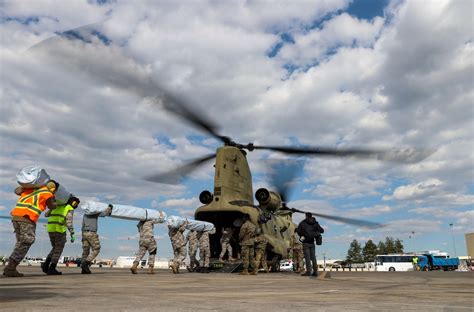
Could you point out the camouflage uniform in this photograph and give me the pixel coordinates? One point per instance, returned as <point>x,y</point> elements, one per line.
<point>192,241</point>
<point>178,244</point>
<point>296,251</point>
<point>204,249</point>
<point>146,242</point>
<point>260,256</point>
<point>25,237</point>
<point>57,239</point>
<point>225,243</point>
<point>90,242</point>
<point>247,241</point>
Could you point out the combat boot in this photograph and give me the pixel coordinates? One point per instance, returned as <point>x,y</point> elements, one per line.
<point>85,267</point>
<point>244,272</point>
<point>134,268</point>
<point>151,270</point>
<point>52,270</point>
<point>173,268</point>
<point>10,270</point>
<point>254,272</point>
<point>45,265</point>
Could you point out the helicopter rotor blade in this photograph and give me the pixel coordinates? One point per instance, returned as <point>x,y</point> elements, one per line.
<point>284,173</point>
<point>174,176</point>
<point>406,155</point>
<point>356,222</point>
<point>87,50</point>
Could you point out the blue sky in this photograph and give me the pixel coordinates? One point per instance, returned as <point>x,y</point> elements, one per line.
<point>339,73</point>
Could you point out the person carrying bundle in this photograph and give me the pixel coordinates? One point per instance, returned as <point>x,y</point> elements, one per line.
<point>146,243</point>
<point>25,215</point>
<point>59,219</point>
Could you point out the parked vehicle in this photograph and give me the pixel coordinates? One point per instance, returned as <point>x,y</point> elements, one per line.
<point>429,262</point>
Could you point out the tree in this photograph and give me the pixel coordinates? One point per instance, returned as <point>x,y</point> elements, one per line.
<point>398,246</point>
<point>354,254</point>
<point>381,249</point>
<point>389,245</point>
<point>369,251</point>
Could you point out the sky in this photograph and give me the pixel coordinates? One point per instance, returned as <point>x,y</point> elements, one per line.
<point>366,74</point>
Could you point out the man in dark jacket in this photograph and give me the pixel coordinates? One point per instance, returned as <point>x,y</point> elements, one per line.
<point>308,230</point>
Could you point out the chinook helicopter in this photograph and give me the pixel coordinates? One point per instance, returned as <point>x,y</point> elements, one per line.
<point>232,195</point>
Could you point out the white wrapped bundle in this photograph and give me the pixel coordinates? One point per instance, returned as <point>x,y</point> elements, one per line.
<point>136,213</point>
<point>62,195</point>
<point>32,177</point>
<point>124,211</point>
<point>193,225</point>
<point>91,207</point>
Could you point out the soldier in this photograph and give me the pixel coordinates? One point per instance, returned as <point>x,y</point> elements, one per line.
<point>192,241</point>
<point>204,249</point>
<point>247,241</point>
<point>179,246</point>
<point>225,243</point>
<point>296,251</point>
<point>90,239</point>
<point>260,255</point>
<point>30,205</point>
<point>146,243</point>
<point>59,219</point>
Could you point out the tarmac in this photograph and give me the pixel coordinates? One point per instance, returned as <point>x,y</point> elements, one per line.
<point>118,290</point>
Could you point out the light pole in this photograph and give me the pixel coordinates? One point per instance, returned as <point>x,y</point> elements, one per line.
<point>324,261</point>
<point>452,235</point>
<point>413,241</point>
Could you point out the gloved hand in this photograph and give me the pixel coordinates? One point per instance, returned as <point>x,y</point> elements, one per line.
<point>73,238</point>
<point>52,186</point>
<point>73,201</point>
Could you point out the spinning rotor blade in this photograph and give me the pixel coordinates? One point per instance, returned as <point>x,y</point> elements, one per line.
<point>407,155</point>
<point>284,173</point>
<point>87,50</point>
<point>173,176</point>
<point>362,223</point>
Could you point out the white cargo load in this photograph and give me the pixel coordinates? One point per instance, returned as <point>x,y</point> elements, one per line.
<point>124,211</point>
<point>62,195</point>
<point>32,177</point>
<point>192,225</point>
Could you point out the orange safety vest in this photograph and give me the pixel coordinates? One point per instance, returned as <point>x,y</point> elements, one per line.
<point>31,203</point>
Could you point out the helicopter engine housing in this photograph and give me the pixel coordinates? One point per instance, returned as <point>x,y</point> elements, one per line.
<point>206,197</point>
<point>267,199</point>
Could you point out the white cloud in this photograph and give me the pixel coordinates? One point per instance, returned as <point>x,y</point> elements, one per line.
<point>384,83</point>
<point>416,191</point>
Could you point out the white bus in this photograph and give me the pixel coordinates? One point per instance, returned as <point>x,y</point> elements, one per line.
<point>394,262</point>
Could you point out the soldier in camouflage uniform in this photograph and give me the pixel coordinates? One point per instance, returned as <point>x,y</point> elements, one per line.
<point>260,255</point>
<point>179,246</point>
<point>296,253</point>
<point>247,242</point>
<point>90,239</point>
<point>192,241</point>
<point>59,220</point>
<point>225,243</point>
<point>24,217</point>
<point>146,243</point>
<point>204,250</point>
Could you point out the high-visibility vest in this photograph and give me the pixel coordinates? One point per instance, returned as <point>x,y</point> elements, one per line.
<point>57,219</point>
<point>31,203</point>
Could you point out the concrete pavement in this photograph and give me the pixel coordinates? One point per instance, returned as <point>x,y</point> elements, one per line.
<point>118,290</point>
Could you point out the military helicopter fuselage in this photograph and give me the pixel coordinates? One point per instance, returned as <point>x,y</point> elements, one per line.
<point>233,183</point>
